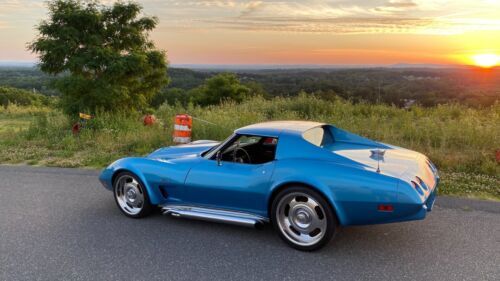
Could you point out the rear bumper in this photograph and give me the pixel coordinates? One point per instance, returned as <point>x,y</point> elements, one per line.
<point>426,206</point>
<point>416,211</point>
<point>413,201</point>
<point>429,194</point>
<point>429,203</point>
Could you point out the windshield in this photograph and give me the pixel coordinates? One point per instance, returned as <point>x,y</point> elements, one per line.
<point>211,152</point>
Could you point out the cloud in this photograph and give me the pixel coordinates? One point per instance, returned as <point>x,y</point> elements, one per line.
<point>344,25</point>
<point>3,25</point>
<point>395,6</point>
<point>356,16</point>
<point>8,6</point>
<point>357,25</point>
<point>251,8</point>
<point>346,16</point>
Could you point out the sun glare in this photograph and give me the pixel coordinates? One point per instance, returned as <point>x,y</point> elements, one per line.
<point>486,60</point>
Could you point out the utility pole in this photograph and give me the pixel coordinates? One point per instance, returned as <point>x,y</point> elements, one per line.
<point>379,89</point>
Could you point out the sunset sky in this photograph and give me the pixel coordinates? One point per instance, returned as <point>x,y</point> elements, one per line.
<point>366,32</point>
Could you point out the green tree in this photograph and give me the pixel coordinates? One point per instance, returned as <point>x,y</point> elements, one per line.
<point>105,50</point>
<point>256,89</point>
<point>170,96</point>
<point>220,87</point>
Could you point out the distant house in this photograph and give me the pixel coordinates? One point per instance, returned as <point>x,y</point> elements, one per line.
<point>416,78</point>
<point>408,103</point>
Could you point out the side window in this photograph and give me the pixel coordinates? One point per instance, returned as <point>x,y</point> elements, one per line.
<point>248,140</point>
<point>248,149</point>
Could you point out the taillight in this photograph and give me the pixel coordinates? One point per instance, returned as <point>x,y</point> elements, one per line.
<point>385,208</point>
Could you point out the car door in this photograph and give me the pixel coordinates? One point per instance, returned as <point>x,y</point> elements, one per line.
<point>229,185</point>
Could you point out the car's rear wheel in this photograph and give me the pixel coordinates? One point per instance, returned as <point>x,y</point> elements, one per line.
<point>303,218</point>
<point>131,196</point>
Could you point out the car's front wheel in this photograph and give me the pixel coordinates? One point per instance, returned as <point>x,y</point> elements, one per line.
<point>303,218</point>
<point>131,196</point>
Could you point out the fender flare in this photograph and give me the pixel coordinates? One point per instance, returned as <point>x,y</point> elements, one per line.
<point>154,194</point>
<point>315,185</point>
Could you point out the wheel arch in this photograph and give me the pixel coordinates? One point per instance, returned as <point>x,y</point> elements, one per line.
<point>154,195</point>
<point>116,173</point>
<point>282,186</point>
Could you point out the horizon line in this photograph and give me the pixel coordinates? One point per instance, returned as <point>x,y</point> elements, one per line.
<point>30,63</point>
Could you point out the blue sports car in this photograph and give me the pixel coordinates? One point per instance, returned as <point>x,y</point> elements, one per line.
<point>306,178</point>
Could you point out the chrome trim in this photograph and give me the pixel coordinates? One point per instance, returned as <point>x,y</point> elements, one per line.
<point>203,142</point>
<point>298,220</point>
<point>215,215</point>
<point>129,195</point>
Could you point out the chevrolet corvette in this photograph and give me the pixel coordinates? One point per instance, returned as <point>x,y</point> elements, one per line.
<point>307,179</point>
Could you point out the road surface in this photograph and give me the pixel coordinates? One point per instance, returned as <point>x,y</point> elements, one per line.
<point>60,224</point>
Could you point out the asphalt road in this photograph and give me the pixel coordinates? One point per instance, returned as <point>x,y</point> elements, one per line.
<point>60,224</point>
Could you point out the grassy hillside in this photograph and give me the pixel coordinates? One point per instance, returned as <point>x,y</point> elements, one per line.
<point>16,96</point>
<point>462,141</point>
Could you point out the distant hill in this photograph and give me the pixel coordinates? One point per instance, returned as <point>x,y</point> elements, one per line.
<point>17,64</point>
<point>242,67</point>
<point>425,84</point>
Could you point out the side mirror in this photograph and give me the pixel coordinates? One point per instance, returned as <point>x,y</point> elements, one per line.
<point>218,156</point>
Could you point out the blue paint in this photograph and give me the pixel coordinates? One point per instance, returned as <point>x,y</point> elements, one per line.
<point>343,171</point>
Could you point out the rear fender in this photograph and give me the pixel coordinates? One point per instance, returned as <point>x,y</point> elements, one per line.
<point>311,183</point>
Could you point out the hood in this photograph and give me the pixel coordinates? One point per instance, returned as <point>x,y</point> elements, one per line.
<point>192,149</point>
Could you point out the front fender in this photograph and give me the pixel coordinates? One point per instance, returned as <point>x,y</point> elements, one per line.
<point>156,175</point>
<point>131,164</point>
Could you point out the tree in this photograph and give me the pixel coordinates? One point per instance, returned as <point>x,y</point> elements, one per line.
<point>170,96</point>
<point>106,52</point>
<point>256,89</point>
<point>220,87</point>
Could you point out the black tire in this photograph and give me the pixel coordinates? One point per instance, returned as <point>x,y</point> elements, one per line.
<point>146,207</point>
<point>329,217</point>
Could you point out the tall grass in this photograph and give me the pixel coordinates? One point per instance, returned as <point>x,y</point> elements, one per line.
<point>454,136</point>
<point>462,141</point>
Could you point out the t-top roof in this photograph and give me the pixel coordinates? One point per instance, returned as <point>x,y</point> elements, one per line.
<point>274,128</point>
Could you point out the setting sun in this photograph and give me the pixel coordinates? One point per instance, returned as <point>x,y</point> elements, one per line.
<point>486,60</point>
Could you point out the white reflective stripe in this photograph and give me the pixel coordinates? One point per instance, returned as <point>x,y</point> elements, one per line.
<point>182,139</point>
<point>181,128</point>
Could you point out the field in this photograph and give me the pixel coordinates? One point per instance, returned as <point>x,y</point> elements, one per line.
<point>462,141</point>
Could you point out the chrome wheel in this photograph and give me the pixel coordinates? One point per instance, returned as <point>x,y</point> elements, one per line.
<point>301,219</point>
<point>129,195</point>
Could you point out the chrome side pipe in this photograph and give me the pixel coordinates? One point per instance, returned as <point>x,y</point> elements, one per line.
<point>214,215</point>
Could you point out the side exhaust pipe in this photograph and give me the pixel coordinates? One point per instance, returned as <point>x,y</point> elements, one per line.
<point>214,215</point>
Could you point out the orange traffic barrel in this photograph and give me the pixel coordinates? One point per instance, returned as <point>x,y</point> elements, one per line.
<point>182,128</point>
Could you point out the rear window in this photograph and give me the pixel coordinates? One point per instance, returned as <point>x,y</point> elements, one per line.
<point>319,136</point>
